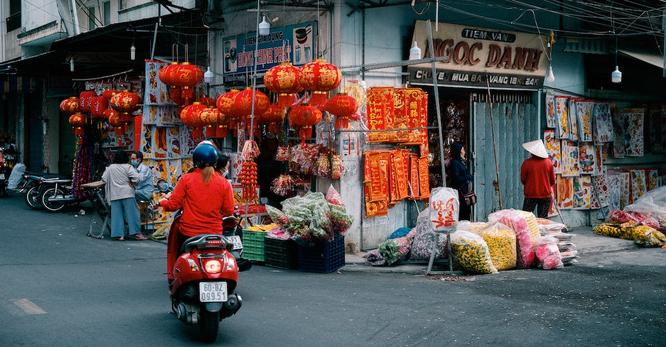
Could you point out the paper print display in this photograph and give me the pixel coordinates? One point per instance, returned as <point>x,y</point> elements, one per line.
<point>551,117</point>
<point>565,192</point>
<point>160,146</point>
<point>573,120</point>
<point>570,165</point>
<point>582,187</point>
<point>150,114</point>
<point>599,159</point>
<point>187,165</point>
<point>173,142</point>
<point>584,120</point>
<point>620,140</point>
<point>562,112</point>
<point>147,142</point>
<point>554,150</point>
<point>175,170</point>
<point>601,190</point>
<point>634,120</point>
<point>651,178</point>
<point>614,192</point>
<point>155,91</point>
<point>587,158</point>
<point>638,184</point>
<point>603,123</point>
<point>625,189</point>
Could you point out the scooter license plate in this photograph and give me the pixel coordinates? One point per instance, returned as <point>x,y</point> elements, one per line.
<point>213,291</point>
<point>236,241</point>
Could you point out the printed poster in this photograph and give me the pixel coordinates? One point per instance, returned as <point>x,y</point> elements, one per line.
<point>587,158</point>
<point>634,120</point>
<point>551,117</point>
<point>173,143</point>
<point>638,185</point>
<point>601,190</point>
<point>603,123</point>
<point>160,146</point>
<point>599,159</point>
<point>175,170</point>
<point>582,188</point>
<point>573,120</point>
<point>570,165</point>
<point>652,178</point>
<point>155,91</point>
<point>625,189</point>
<point>584,118</point>
<point>614,192</point>
<point>562,112</point>
<point>565,192</point>
<point>621,139</point>
<point>147,142</point>
<point>554,150</point>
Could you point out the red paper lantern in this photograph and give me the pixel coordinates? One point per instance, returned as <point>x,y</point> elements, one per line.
<point>78,121</point>
<point>85,100</point>
<point>207,101</point>
<point>175,95</point>
<point>209,117</point>
<point>125,101</point>
<point>70,105</point>
<point>225,102</point>
<point>303,118</point>
<point>274,114</point>
<point>98,106</point>
<point>167,73</point>
<point>243,103</point>
<point>319,77</point>
<point>116,122</point>
<point>284,80</point>
<point>109,112</point>
<point>186,95</point>
<point>186,75</point>
<point>190,115</point>
<point>343,107</point>
<point>109,93</point>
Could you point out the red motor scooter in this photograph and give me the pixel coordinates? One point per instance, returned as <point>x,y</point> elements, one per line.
<point>205,277</point>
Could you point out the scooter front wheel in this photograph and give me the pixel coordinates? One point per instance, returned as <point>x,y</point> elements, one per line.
<point>33,199</point>
<point>53,206</point>
<point>209,324</point>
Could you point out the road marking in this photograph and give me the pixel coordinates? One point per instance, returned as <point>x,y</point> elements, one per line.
<point>28,306</point>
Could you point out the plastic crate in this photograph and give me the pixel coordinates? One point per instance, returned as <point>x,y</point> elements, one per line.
<point>253,245</point>
<point>324,257</point>
<point>280,253</point>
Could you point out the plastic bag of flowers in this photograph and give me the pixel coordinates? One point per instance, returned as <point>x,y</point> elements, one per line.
<point>501,241</point>
<point>548,253</point>
<point>394,250</point>
<point>525,226</point>
<point>423,238</point>
<point>471,253</point>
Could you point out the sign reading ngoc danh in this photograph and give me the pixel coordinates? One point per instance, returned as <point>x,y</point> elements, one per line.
<point>469,56</point>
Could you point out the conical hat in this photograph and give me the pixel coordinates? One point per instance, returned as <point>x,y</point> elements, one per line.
<point>537,148</point>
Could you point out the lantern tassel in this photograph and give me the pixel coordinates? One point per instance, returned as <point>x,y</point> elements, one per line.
<point>318,99</point>
<point>286,100</point>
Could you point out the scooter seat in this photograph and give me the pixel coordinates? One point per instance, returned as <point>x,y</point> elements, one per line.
<point>195,241</point>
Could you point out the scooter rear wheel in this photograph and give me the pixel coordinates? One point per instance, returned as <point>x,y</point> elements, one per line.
<point>53,206</point>
<point>209,324</point>
<point>33,198</point>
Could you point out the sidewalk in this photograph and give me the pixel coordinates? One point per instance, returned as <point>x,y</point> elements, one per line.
<point>586,242</point>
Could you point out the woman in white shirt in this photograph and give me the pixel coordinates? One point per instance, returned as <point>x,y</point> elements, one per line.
<point>120,178</point>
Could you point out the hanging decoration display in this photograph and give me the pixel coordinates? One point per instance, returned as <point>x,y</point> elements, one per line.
<point>283,80</point>
<point>85,100</point>
<point>78,122</point>
<point>210,118</point>
<point>554,150</point>
<point>274,117</point>
<point>551,118</point>
<point>319,77</point>
<point>570,164</point>
<point>343,107</point>
<point>562,111</point>
<point>98,106</point>
<point>582,188</point>
<point>584,111</point>
<point>243,106</point>
<point>248,173</point>
<point>634,130</point>
<point>190,115</point>
<point>565,192</point>
<point>638,185</point>
<point>380,113</point>
<point>225,103</point>
<point>603,122</point>
<point>587,158</point>
<point>70,105</point>
<point>116,121</point>
<point>181,79</point>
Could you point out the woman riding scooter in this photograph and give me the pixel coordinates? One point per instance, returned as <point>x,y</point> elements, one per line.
<point>204,196</point>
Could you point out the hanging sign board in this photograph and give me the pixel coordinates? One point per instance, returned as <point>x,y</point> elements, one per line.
<point>475,57</point>
<point>294,43</point>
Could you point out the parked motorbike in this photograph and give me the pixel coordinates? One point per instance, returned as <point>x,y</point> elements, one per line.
<point>57,195</point>
<point>232,231</point>
<point>205,278</point>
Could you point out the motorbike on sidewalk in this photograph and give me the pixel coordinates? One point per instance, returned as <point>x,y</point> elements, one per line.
<point>204,283</point>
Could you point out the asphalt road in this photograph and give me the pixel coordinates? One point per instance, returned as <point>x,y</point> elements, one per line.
<point>61,288</point>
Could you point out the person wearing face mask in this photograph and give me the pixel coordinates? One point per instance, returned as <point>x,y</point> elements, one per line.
<point>144,187</point>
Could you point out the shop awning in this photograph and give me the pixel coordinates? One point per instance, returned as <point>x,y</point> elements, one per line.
<point>650,58</point>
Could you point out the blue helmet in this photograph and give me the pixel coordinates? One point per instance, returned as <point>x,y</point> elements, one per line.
<point>205,154</point>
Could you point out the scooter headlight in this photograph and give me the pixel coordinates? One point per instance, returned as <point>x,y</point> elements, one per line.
<point>213,266</point>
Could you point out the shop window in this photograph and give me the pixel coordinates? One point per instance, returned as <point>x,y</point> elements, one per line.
<point>107,13</point>
<point>91,18</point>
<point>14,19</point>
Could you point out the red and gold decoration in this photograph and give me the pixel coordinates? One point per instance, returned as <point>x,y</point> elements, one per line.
<point>109,93</point>
<point>98,106</point>
<point>248,173</point>
<point>85,100</point>
<point>116,121</point>
<point>376,170</point>
<point>283,79</point>
<point>243,106</point>
<point>70,105</point>
<point>274,117</point>
<point>343,107</point>
<point>319,77</point>
<point>190,115</point>
<point>380,114</point>
<point>210,117</point>
<point>181,79</point>
<point>207,101</point>
<point>78,121</point>
<point>225,103</point>
<point>125,102</point>
<point>303,118</point>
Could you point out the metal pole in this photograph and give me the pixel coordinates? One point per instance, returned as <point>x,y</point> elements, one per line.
<point>663,27</point>
<point>75,16</point>
<point>435,87</point>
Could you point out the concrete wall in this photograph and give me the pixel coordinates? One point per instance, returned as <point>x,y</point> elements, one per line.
<point>9,48</point>
<point>38,12</point>
<point>139,9</point>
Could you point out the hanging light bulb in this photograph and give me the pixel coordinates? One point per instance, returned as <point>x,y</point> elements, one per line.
<point>132,52</point>
<point>616,76</point>
<point>414,52</point>
<point>550,77</point>
<point>264,27</point>
<point>208,76</point>
<point>71,64</point>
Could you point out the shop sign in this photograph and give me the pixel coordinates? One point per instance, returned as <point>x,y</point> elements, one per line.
<point>294,43</point>
<point>469,56</point>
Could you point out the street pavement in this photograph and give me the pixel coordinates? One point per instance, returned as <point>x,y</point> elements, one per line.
<point>61,288</point>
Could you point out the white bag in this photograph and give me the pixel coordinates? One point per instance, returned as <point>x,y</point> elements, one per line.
<point>444,208</point>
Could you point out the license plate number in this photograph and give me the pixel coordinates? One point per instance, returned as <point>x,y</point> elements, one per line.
<point>213,291</point>
<point>236,241</point>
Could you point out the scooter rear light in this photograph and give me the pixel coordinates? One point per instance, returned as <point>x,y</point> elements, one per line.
<point>213,266</point>
<point>230,262</point>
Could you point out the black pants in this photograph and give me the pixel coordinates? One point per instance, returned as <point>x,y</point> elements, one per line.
<point>542,205</point>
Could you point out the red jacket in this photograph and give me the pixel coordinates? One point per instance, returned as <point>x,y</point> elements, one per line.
<point>203,204</point>
<point>538,177</point>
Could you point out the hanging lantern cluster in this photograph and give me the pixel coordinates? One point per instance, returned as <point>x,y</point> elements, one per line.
<point>343,107</point>
<point>303,118</point>
<point>71,107</point>
<point>225,103</point>
<point>274,117</point>
<point>283,80</point>
<point>98,105</point>
<point>85,100</point>
<point>215,122</point>
<point>78,121</point>
<point>181,79</point>
<point>243,106</point>
<point>123,103</point>
<point>190,115</point>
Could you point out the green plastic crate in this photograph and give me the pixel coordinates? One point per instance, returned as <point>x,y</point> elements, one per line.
<point>253,245</point>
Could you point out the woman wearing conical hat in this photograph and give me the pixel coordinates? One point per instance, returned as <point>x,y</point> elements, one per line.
<point>538,177</point>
